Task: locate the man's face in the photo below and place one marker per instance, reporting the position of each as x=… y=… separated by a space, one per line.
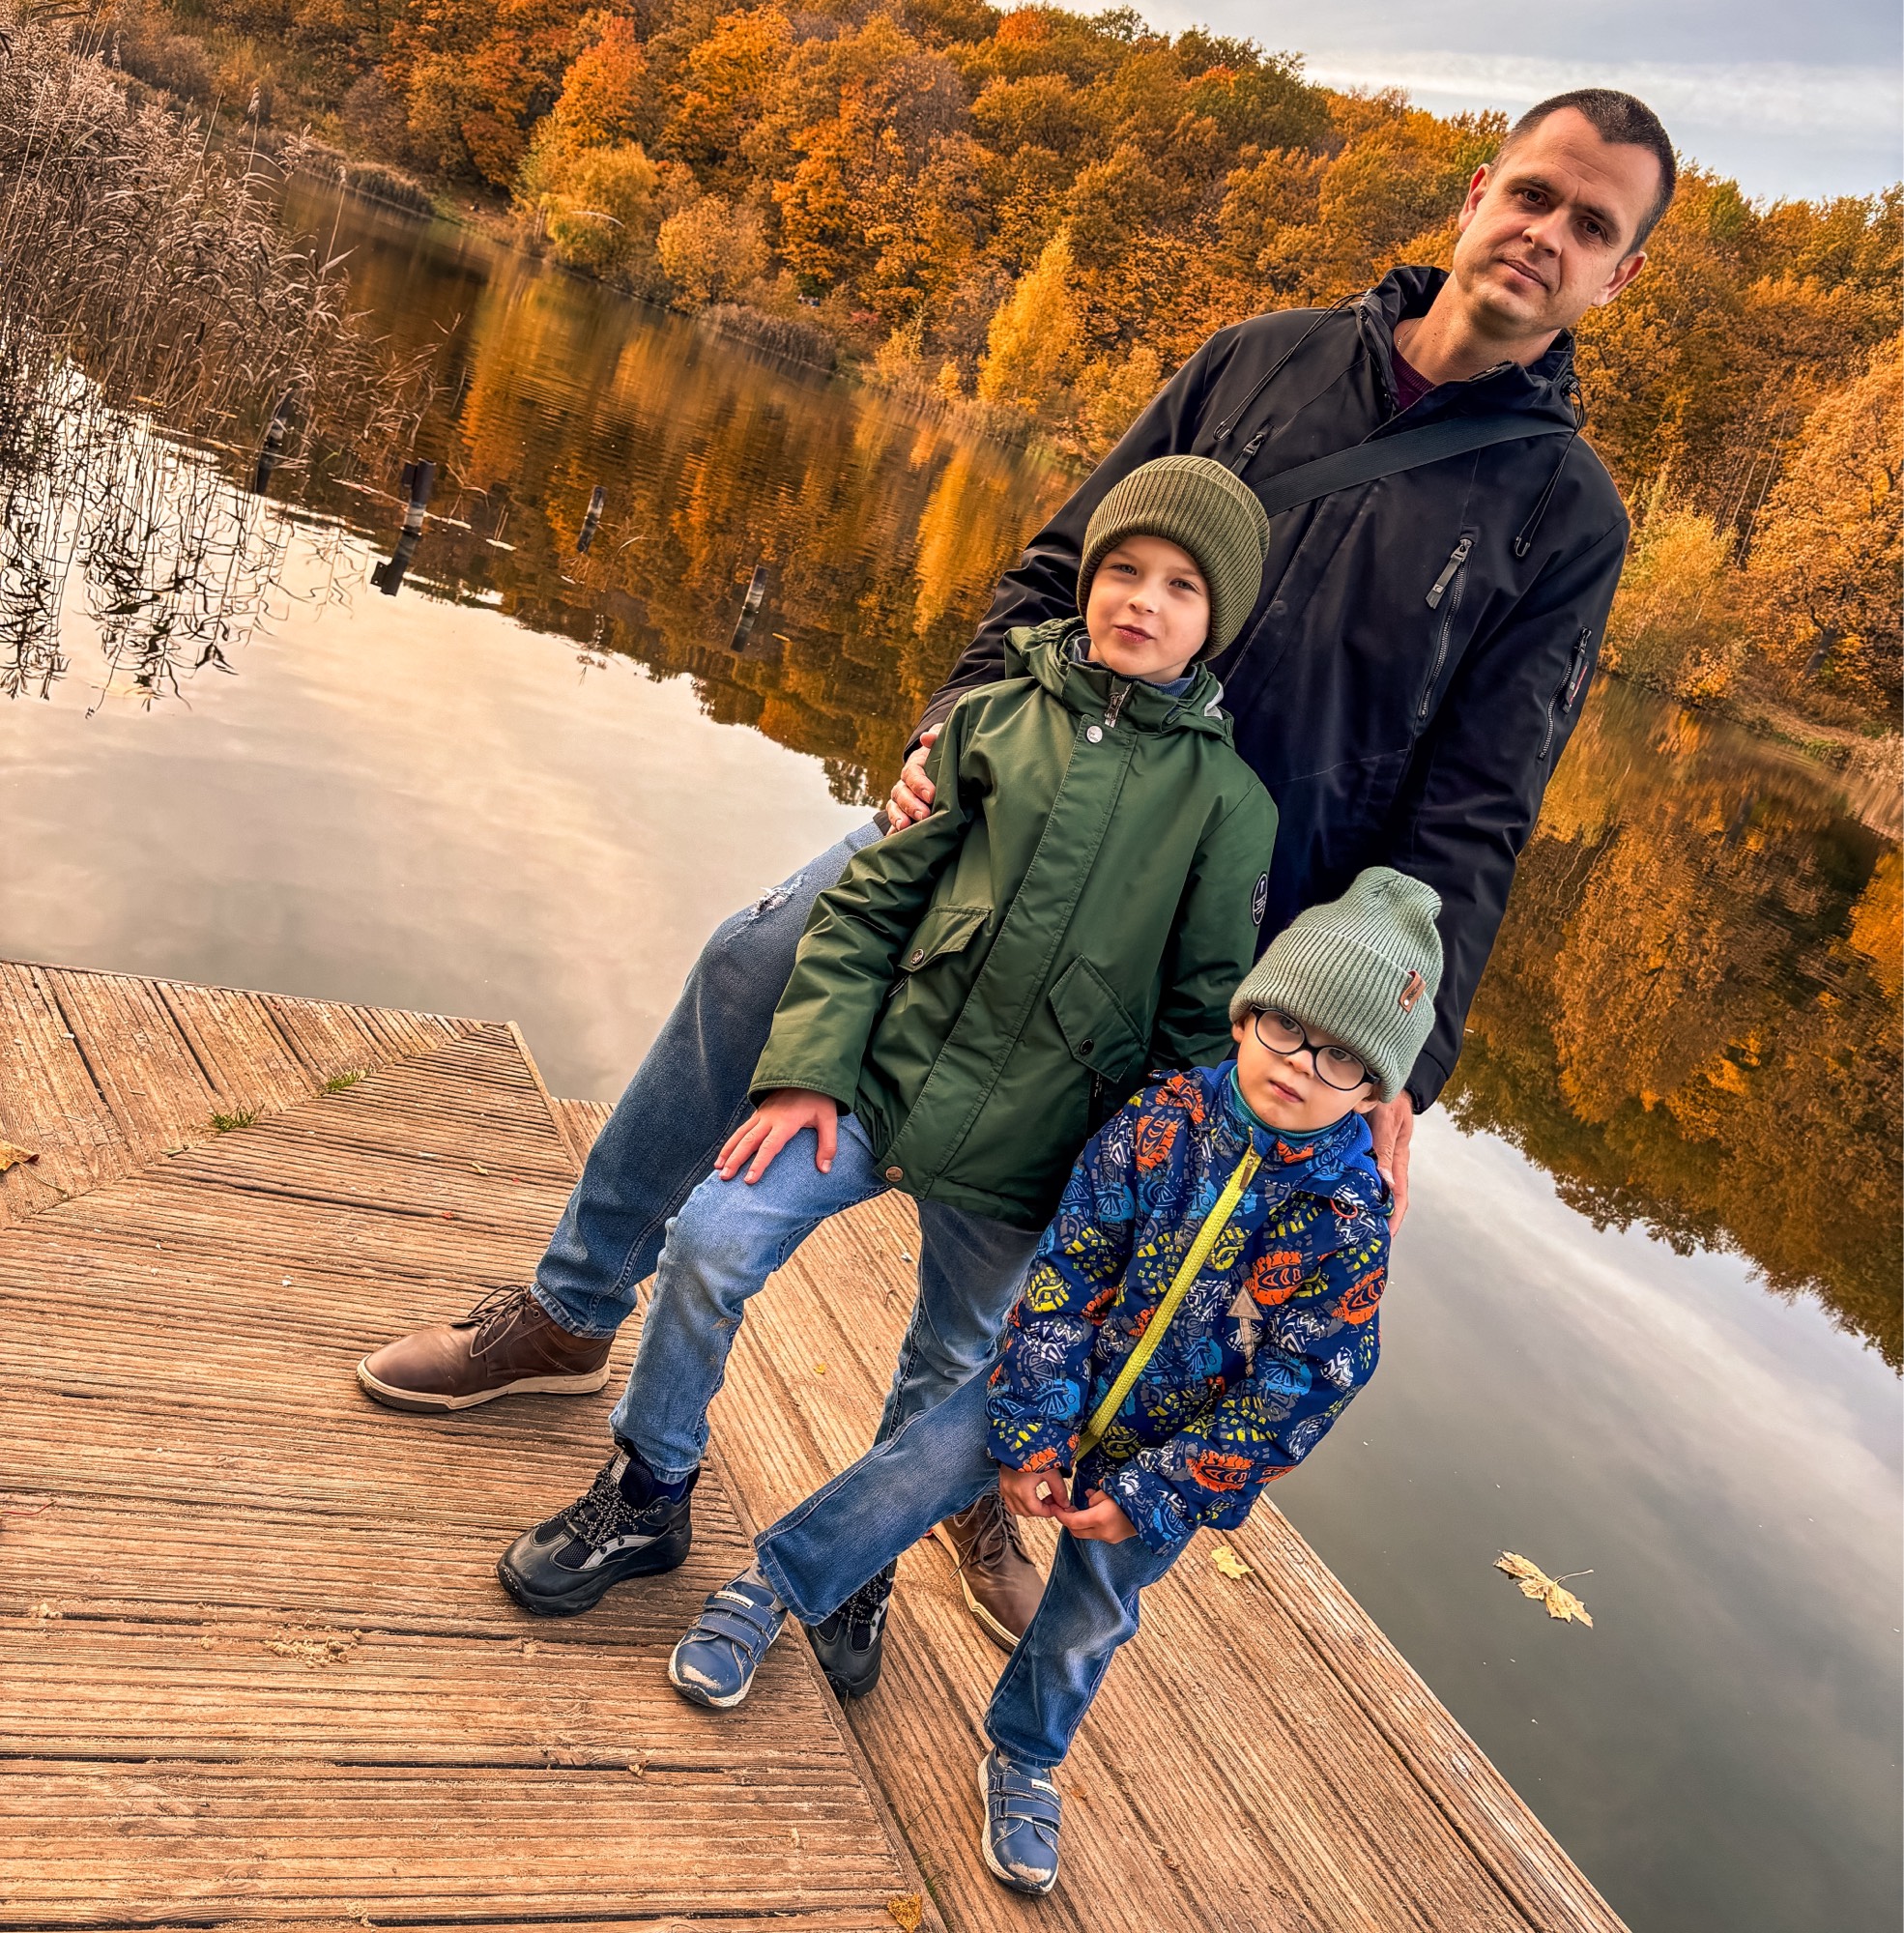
x=1547 y=230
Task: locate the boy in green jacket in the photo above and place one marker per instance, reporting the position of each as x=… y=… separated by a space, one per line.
x=979 y=992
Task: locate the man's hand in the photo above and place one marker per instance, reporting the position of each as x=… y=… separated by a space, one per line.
x=1392 y=1127
x=773 y=1124
x=911 y=796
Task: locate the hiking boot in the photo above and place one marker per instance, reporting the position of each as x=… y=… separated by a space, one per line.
x=630 y=1524
x=1021 y=1816
x=507 y=1345
x=715 y=1662
x=847 y=1644
x=1002 y=1584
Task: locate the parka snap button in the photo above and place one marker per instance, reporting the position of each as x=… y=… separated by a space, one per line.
x=895 y=1174
x=1086 y=1046
x=1095 y=734
x=918 y=955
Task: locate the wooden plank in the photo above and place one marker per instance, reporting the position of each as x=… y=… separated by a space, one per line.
x=254 y=1664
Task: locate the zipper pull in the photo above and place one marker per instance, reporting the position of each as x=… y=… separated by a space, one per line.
x=1457 y=558
x=1118 y=694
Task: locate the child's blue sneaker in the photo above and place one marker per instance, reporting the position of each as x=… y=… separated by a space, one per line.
x=715 y=1662
x=1021 y=1824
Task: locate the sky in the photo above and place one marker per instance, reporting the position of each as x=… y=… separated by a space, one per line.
x=1790 y=101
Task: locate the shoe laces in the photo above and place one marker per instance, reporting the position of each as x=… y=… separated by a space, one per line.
x=604 y=1512
x=866 y=1609
x=495 y=1315
x=995 y=1534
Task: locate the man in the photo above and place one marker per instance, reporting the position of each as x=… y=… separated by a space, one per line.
x=1411 y=672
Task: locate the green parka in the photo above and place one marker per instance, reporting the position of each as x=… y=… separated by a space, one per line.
x=983 y=987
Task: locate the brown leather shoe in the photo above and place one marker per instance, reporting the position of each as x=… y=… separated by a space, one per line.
x=1002 y=1584
x=505 y=1346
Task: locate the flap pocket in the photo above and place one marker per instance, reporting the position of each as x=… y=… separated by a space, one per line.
x=945 y=930
x=1096 y=1028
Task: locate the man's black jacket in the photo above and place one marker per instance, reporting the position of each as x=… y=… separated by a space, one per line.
x=1417 y=658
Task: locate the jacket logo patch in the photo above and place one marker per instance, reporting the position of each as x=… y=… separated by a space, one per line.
x=1412 y=990
x=1259 y=900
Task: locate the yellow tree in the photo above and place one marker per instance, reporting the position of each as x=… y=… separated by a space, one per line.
x=1828 y=548
x=1033 y=346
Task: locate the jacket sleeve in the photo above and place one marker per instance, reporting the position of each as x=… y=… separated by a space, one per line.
x=849 y=951
x=1214 y=941
x=1044 y=582
x=1474 y=789
x=1037 y=1394
x=1316 y=1350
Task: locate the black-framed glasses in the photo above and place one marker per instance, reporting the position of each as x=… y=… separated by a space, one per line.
x=1335 y=1066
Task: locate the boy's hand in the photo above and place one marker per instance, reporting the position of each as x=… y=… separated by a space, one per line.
x=773 y=1124
x=912 y=794
x=1100 y=1522
x=1017 y=1490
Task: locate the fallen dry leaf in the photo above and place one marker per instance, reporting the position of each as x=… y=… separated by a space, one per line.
x=1228 y=1563
x=819 y=1368
x=907 y=1911
x=1535 y=1583
x=12 y=1156
x=638 y=1764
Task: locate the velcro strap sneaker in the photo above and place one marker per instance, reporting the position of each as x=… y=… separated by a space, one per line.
x=1021 y=1817
x=715 y=1662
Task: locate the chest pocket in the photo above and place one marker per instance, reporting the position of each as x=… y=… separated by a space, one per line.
x=945 y=931
x=1097 y=1029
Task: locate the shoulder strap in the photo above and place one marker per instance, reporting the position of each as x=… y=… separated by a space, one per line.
x=1384 y=456
x=1146 y=1346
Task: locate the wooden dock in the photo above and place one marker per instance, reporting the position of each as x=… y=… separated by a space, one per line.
x=257 y=1670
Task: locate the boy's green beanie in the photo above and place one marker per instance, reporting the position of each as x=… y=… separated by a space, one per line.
x=1365 y=968
x=1201 y=508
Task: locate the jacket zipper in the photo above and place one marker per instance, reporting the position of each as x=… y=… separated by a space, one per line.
x=1450 y=575
x=1457 y=558
x=1118 y=694
x=1569 y=690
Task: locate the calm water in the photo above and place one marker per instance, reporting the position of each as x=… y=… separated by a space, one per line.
x=1644 y=1315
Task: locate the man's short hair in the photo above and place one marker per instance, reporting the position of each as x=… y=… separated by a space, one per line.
x=1615 y=117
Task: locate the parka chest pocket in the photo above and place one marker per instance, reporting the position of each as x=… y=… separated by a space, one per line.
x=1096 y=1028
x=945 y=931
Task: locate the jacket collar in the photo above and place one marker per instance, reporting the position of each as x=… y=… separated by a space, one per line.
x=1340 y=1163
x=1089 y=690
x=1547 y=388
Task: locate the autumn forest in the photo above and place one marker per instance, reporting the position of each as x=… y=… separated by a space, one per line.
x=1032 y=217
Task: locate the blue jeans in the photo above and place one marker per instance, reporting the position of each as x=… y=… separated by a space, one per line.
x=823 y=1549
x=730 y=1236
x=687 y=1096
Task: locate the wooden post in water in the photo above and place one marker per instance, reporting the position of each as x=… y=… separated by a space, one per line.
x=591 y=522
x=418 y=481
x=750 y=607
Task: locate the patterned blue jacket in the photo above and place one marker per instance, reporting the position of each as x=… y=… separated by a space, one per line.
x=1276 y=1334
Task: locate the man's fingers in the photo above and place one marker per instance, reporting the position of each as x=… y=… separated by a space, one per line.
x=777 y=1137
x=826 y=1129
x=739 y=1146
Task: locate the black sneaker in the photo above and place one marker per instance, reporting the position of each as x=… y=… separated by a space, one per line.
x=848 y=1643
x=623 y=1528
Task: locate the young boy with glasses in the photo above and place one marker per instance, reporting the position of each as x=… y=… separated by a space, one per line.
x=1200 y=1312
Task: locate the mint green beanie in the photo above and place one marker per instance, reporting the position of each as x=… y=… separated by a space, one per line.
x=1365 y=968
x=1201 y=508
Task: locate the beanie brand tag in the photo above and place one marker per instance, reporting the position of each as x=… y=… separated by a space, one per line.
x=1412 y=990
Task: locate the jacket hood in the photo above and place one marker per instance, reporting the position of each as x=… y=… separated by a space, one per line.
x=1547 y=388
x=1044 y=652
x=1338 y=1164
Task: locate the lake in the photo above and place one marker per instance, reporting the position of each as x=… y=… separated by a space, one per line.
x=1643 y=1321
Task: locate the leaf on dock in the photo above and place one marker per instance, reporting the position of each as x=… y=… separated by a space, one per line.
x=1228 y=1563
x=907 y=1911
x=1535 y=1583
x=12 y=1156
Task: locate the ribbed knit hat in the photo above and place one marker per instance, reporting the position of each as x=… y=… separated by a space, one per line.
x=1201 y=508
x=1365 y=968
